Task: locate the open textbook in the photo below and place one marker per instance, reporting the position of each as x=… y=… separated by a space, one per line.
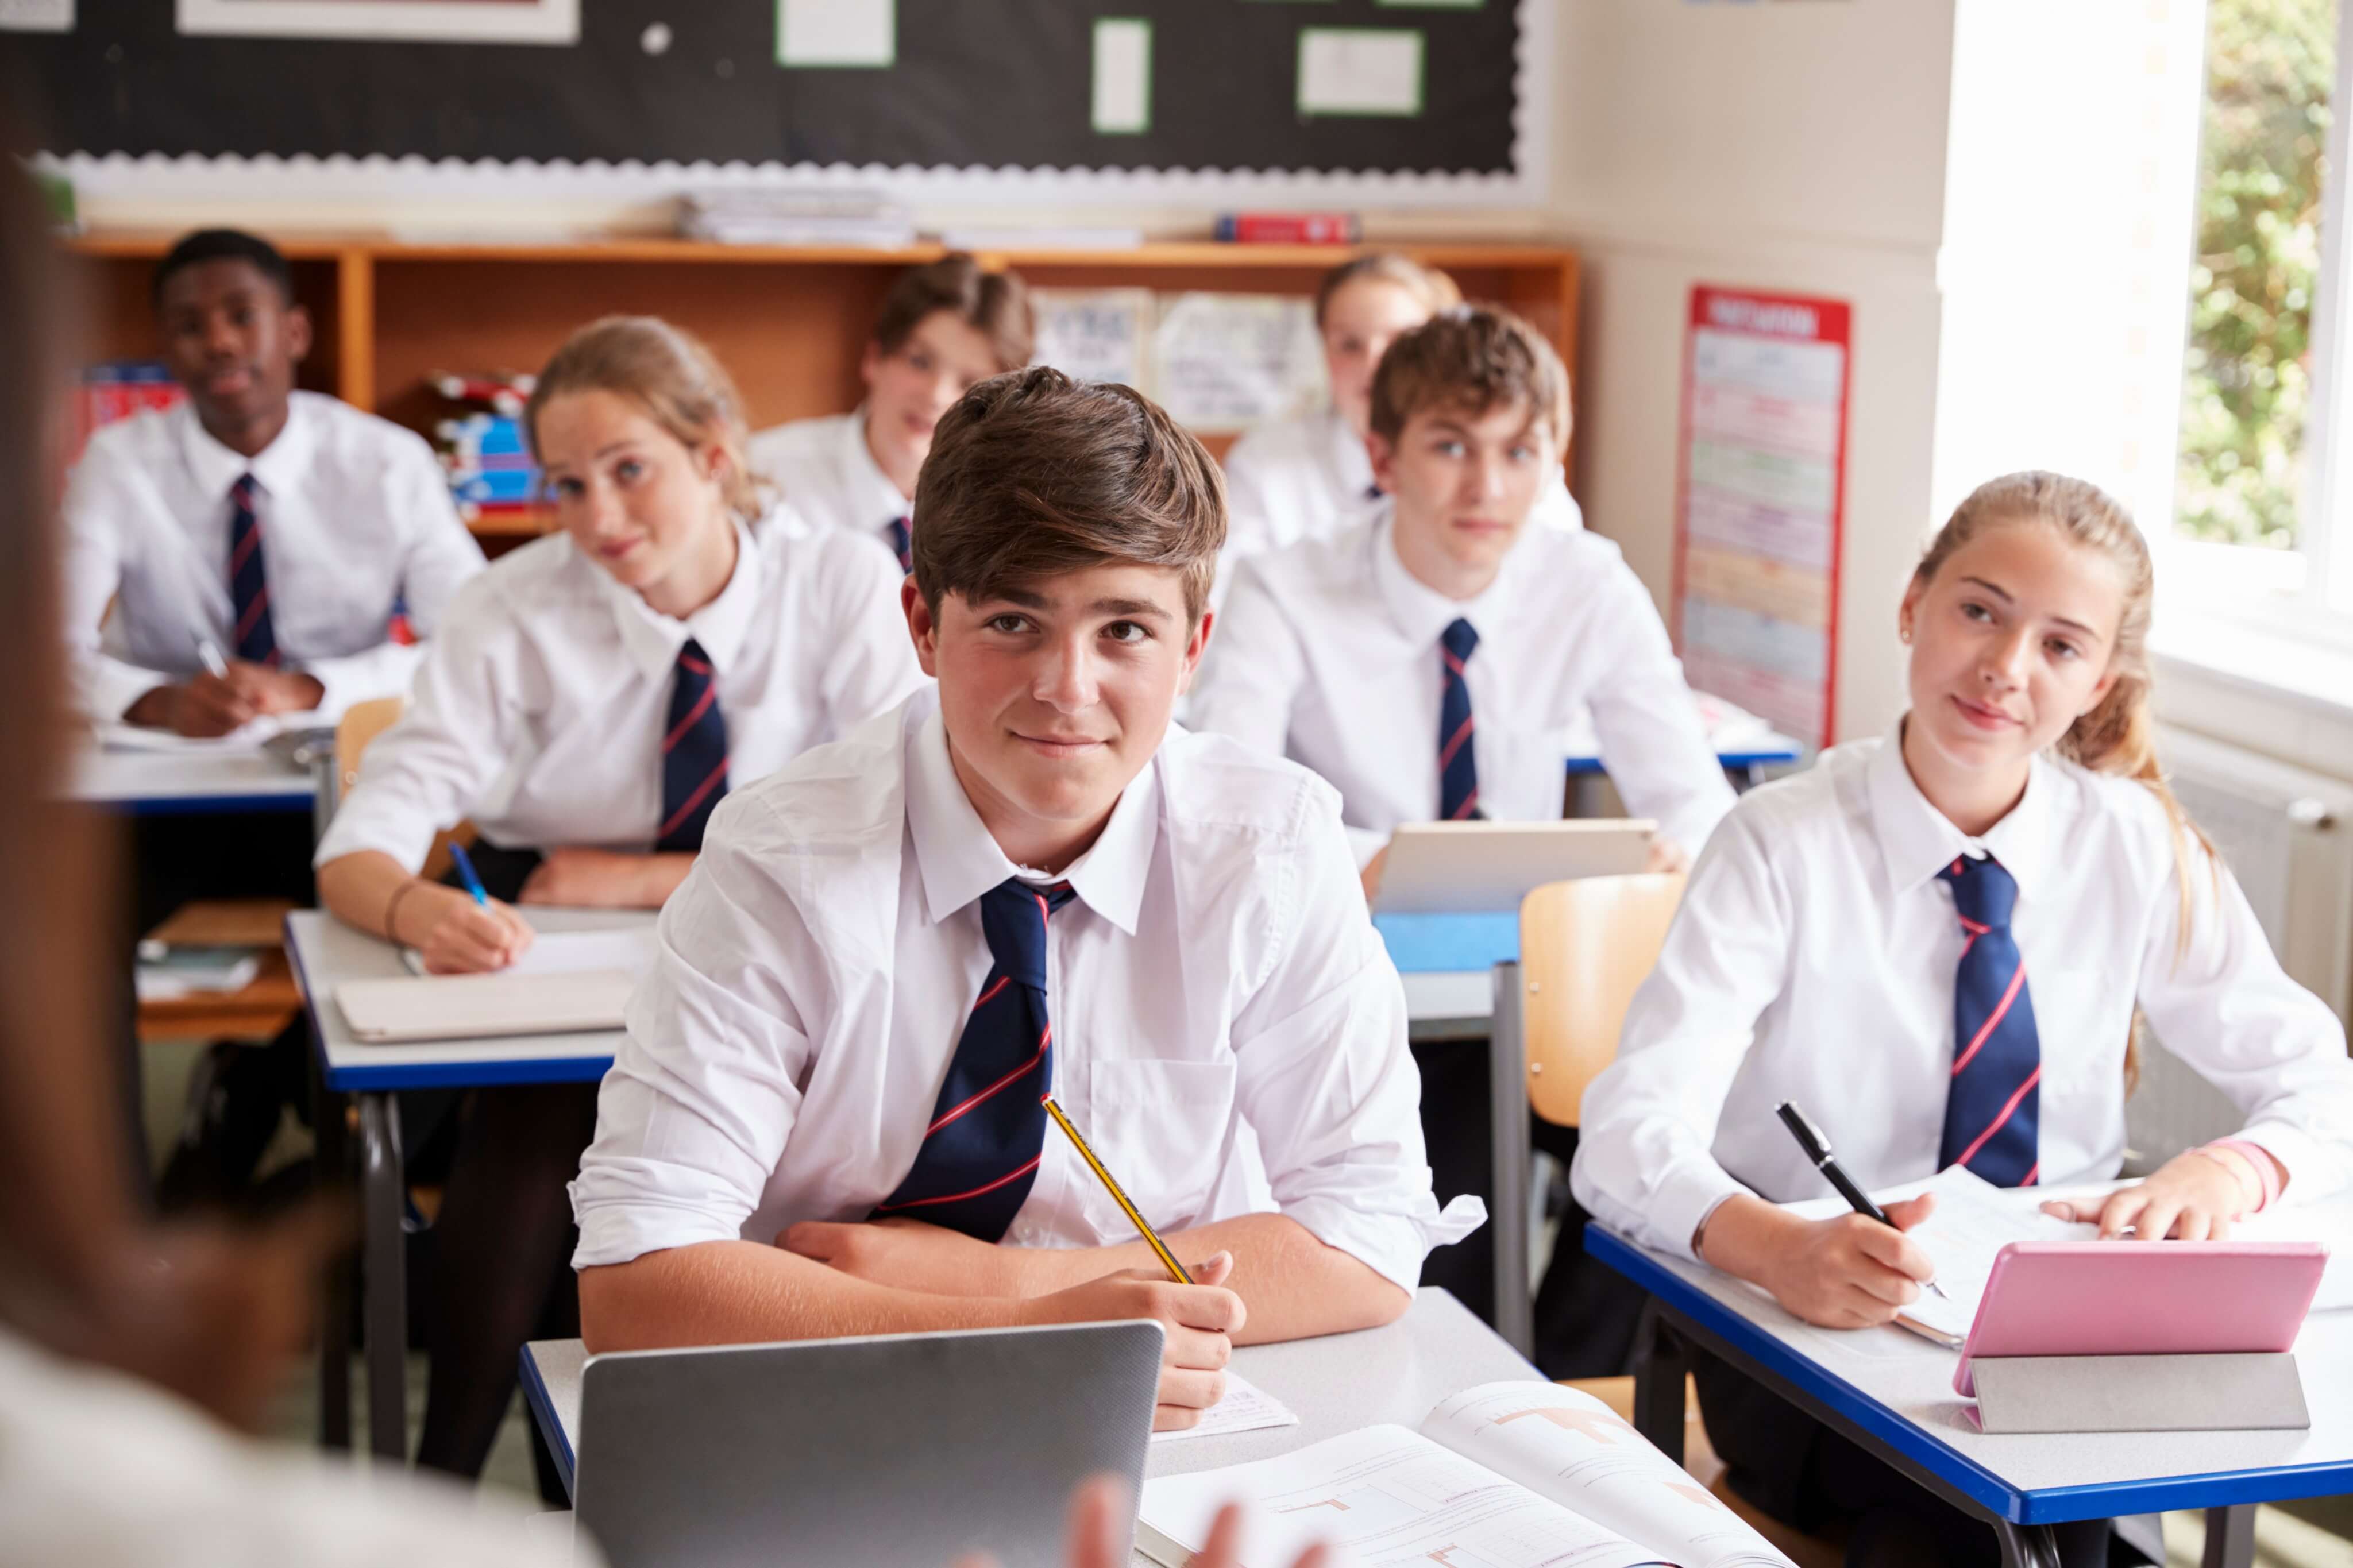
x=1974 y=1220
x=1505 y=1475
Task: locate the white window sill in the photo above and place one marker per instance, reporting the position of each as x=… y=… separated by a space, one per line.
x=2287 y=695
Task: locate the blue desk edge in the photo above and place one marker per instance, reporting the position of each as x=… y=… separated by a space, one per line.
x=2051 y=1505
x=543 y=1410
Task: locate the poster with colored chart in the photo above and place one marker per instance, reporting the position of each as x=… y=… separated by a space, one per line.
x=1762 y=488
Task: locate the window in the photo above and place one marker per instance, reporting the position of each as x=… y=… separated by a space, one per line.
x=2266 y=461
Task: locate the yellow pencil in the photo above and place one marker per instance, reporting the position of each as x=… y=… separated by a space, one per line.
x=1151 y=1238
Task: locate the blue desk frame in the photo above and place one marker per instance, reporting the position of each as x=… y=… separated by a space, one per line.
x=1680 y=1317
x=383 y=1202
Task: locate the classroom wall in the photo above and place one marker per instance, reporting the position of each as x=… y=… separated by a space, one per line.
x=1799 y=148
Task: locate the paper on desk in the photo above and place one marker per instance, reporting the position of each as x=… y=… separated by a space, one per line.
x=629 y=948
x=1246 y=1407
x=1975 y=1219
x=116 y=737
x=1972 y=1222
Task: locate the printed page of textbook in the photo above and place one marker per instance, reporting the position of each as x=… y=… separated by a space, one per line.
x=1569 y=1447
x=1381 y=1498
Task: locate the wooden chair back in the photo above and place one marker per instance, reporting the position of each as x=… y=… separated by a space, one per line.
x=1585 y=946
x=361 y=723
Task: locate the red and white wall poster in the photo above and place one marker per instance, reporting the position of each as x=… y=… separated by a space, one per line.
x=1762 y=487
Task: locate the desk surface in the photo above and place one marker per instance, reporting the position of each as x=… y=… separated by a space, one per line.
x=185 y=783
x=1899 y=1387
x=326 y=953
x=1437 y=1349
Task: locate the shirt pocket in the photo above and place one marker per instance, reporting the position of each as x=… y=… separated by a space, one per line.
x=1160 y=1129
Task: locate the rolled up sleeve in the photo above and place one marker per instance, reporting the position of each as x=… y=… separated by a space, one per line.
x=1325 y=1079
x=704 y=1090
x=433 y=766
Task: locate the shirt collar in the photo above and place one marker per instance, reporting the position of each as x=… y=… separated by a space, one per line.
x=652 y=640
x=1418 y=610
x=960 y=859
x=1917 y=840
x=278 y=466
x=877 y=498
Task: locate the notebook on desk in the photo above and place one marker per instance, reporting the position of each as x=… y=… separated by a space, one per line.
x=471 y=1006
x=1974 y=1220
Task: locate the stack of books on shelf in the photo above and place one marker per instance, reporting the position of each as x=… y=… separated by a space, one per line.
x=482 y=449
x=117 y=390
x=862 y=218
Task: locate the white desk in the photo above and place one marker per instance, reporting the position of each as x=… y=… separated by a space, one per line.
x=324 y=954
x=160 y=784
x=1335 y=1384
x=1892 y=1392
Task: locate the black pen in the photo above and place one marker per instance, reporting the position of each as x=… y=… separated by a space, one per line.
x=1817 y=1150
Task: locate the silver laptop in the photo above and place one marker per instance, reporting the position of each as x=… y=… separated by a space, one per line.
x=893 y=1449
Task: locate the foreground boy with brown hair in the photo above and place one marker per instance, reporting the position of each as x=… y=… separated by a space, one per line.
x=826 y=1119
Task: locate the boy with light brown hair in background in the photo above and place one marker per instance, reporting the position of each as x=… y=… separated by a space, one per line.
x=943 y=327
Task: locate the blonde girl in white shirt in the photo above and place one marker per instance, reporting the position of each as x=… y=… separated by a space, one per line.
x=593 y=696
x=1936 y=941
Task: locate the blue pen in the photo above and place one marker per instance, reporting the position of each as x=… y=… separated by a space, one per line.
x=466 y=869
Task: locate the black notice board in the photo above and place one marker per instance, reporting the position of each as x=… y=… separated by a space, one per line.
x=994 y=83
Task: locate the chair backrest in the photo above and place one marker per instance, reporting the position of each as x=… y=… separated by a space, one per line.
x=362 y=723
x=1584 y=947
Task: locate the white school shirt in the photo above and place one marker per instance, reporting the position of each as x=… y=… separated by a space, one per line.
x=1814 y=958
x=1229 y=1031
x=828 y=475
x=109 y=1472
x=1328 y=653
x=1310 y=478
x=540 y=710
x=355 y=514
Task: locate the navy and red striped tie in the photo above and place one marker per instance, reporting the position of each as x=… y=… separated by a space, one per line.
x=1458 y=766
x=902 y=543
x=1993 y=1104
x=987 y=1131
x=253 y=635
x=694 y=753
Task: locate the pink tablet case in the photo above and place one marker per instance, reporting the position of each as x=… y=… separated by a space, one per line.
x=2142 y=1298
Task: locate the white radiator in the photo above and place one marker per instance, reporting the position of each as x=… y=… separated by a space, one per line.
x=2287 y=835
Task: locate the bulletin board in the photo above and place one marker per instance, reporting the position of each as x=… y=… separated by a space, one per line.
x=1397 y=95
x=1762 y=503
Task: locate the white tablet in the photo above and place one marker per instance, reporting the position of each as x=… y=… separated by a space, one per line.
x=1461 y=867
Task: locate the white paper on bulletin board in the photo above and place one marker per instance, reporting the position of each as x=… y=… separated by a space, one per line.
x=1228 y=362
x=1096 y=335
x=1763 y=497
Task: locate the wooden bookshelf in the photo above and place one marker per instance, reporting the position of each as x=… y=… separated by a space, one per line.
x=789 y=322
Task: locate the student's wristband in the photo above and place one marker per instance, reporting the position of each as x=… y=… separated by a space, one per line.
x=2243 y=1160
x=392 y=906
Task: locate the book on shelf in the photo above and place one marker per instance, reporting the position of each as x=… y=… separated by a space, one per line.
x=1290 y=228
x=757 y=215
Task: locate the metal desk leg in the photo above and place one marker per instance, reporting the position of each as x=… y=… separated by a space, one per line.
x=1507 y=1116
x=1662 y=1370
x=332 y=1156
x=382 y=1202
x=2230 y=1537
x=2026 y=1545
